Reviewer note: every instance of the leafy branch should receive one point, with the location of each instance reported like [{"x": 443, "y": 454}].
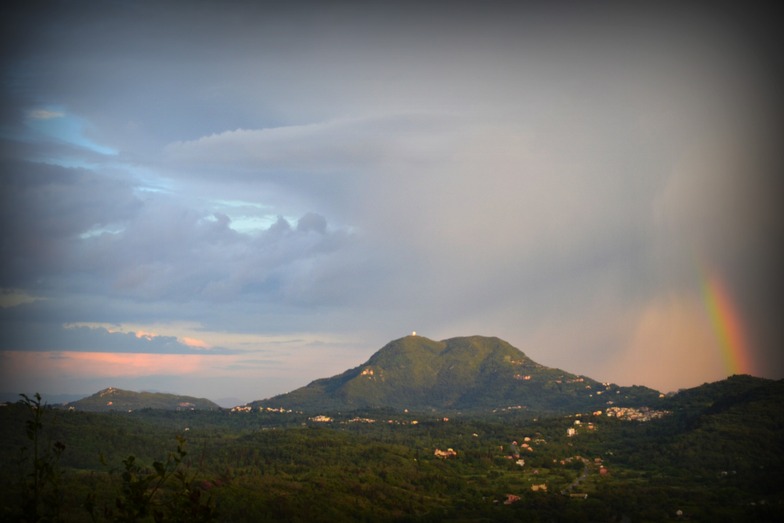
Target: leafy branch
[{"x": 164, "y": 493}]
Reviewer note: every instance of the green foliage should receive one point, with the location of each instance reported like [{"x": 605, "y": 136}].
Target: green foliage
[{"x": 164, "y": 492}]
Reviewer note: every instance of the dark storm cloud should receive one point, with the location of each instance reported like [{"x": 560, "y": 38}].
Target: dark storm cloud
[
  {"x": 43, "y": 211},
  {"x": 46, "y": 337}
]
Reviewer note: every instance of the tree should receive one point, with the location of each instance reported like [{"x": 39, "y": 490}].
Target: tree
[
  {"x": 167, "y": 492},
  {"x": 40, "y": 488}
]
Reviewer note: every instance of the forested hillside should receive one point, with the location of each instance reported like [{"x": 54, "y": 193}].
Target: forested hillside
[
  {"x": 707, "y": 457},
  {"x": 113, "y": 399},
  {"x": 464, "y": 374}
]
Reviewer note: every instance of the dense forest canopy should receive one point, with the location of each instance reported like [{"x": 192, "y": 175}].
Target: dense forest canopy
[{"x": 710, "y": 453}]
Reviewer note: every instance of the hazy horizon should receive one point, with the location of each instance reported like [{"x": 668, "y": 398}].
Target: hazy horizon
[
  {"x": 226, "y": 401},
  {"x": 232, "y": 201}
]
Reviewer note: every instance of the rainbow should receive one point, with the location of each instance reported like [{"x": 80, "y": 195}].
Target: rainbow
[{"x": 726, "y": 324}]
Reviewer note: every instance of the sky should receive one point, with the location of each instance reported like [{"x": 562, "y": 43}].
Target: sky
[{"x": 230, "y": 200}]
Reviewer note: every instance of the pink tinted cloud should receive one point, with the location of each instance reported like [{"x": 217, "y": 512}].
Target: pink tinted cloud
[
  {"x": 105, "y": 364},
  {"x": 193, "y": 342}
]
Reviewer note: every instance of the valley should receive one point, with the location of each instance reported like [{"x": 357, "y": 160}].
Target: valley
[{"x": 715, "y": 455}]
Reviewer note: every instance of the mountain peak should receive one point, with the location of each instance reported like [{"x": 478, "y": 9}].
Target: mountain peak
[
  {"x": 462, "y": 373},
  {"x": 108, "y": 391}
]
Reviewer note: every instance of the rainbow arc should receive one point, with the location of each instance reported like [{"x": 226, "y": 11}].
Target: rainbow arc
[{"x": 726, "y": 324}]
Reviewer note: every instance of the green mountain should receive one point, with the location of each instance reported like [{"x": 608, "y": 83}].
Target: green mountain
[
  {"x": 124, "y": 400},
  {"x": 473, "y": 373}
]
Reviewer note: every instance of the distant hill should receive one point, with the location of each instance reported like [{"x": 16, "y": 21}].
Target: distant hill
[
  {"x": 466, "y": 374},
  {"x": 124, "y": 400},
  {"x": 711, "y": 396},
  {"x": 732, "y": 429}
]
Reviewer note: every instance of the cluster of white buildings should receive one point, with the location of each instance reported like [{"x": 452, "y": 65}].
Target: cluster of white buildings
[{"x": 631, "y": 413}]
